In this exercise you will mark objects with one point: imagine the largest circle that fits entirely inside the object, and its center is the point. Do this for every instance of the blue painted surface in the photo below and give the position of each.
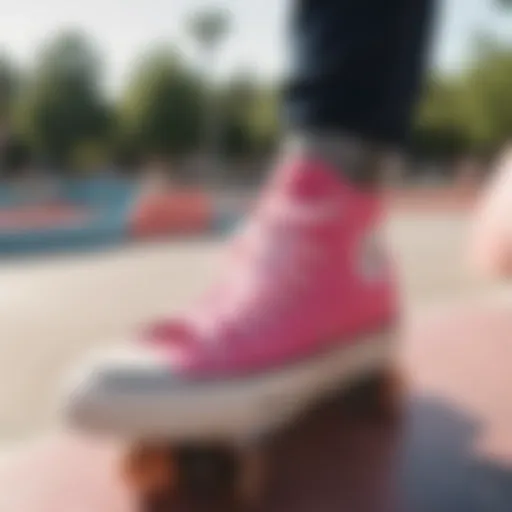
(96, 233)
(109, 193)
(108, 201)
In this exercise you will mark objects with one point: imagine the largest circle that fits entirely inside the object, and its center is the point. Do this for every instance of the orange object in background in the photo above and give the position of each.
(171, 211)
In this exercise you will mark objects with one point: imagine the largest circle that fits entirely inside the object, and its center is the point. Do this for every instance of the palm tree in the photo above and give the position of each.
(209, 28)
(8, 88)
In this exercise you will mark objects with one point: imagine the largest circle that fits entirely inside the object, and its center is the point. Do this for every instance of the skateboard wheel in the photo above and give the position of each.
(196, 473)
(207, 472)
(150, 470)
(219, 474)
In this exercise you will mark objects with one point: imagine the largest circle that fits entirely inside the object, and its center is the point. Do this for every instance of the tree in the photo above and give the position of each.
(208, 28)
(62, 105)
(486, 97)
(9, 83)
(439, 129)
(160, 110)
(471, 111)
(250, 116)
(237, 102)
(264, 125)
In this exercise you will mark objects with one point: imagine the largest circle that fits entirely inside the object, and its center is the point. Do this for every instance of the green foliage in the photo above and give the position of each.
(439, 127)
(237, 101)
(487, 96)
(9, 81)
(250, 116)
(60, 110)
(88, 155)
(161, 108)
(470, 112)
(62, 103)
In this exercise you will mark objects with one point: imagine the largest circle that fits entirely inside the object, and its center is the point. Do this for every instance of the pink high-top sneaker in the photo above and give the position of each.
(307, 304)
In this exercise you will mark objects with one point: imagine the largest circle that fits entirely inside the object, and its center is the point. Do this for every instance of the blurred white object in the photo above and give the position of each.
(491, 236)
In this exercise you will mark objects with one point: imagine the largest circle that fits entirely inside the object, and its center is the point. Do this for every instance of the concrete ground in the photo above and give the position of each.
(55, 309)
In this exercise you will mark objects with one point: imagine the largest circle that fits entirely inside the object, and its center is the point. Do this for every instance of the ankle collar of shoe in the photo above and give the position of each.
(357, 159)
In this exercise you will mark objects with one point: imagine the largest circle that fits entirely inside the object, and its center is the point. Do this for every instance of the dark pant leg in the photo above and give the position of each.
(356, 66)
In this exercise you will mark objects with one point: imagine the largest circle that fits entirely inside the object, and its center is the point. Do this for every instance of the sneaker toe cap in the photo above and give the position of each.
(116, 387)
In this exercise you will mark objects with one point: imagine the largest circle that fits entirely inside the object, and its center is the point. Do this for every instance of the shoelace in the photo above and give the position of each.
(262, 284)
(272, 264)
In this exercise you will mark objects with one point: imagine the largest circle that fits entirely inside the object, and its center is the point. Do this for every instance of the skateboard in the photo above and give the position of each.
(235, 474)
(68, 471)
(181, 447)
(450, 451)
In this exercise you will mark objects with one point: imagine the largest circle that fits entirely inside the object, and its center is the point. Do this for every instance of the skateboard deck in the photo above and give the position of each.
(451, 451)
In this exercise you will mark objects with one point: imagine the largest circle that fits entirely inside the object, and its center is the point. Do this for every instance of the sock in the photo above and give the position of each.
(358, 160)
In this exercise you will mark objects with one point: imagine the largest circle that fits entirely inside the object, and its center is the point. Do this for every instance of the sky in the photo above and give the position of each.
(123, 29)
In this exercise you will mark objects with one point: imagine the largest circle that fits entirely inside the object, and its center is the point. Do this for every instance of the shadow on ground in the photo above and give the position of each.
(332, 461)
(424, 463)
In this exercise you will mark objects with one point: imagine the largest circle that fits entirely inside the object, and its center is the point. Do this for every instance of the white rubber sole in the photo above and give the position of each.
(235, 409)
